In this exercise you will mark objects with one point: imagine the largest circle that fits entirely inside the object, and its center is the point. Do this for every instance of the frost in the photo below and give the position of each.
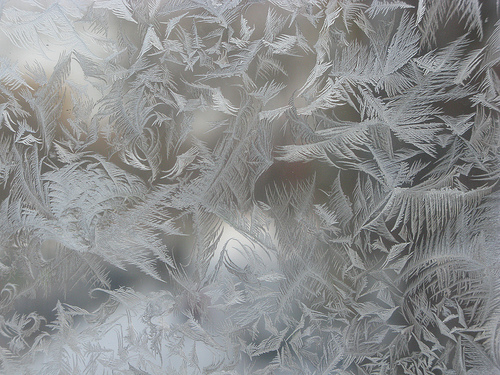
(249, 187)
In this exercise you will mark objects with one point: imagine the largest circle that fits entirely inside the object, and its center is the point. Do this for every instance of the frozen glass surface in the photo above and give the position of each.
(249, 187)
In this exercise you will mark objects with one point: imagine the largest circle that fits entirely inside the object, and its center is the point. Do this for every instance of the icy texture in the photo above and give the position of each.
(249, 187)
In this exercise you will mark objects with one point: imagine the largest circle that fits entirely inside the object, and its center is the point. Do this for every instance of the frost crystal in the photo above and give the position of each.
(249, 187)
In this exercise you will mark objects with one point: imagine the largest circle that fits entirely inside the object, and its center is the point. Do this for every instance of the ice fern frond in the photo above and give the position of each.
(249, 187)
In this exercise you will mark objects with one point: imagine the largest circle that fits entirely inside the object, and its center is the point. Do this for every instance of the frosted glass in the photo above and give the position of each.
(249, 187)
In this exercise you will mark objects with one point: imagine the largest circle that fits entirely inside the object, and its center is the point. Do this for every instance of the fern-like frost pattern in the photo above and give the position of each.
(250, 187)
